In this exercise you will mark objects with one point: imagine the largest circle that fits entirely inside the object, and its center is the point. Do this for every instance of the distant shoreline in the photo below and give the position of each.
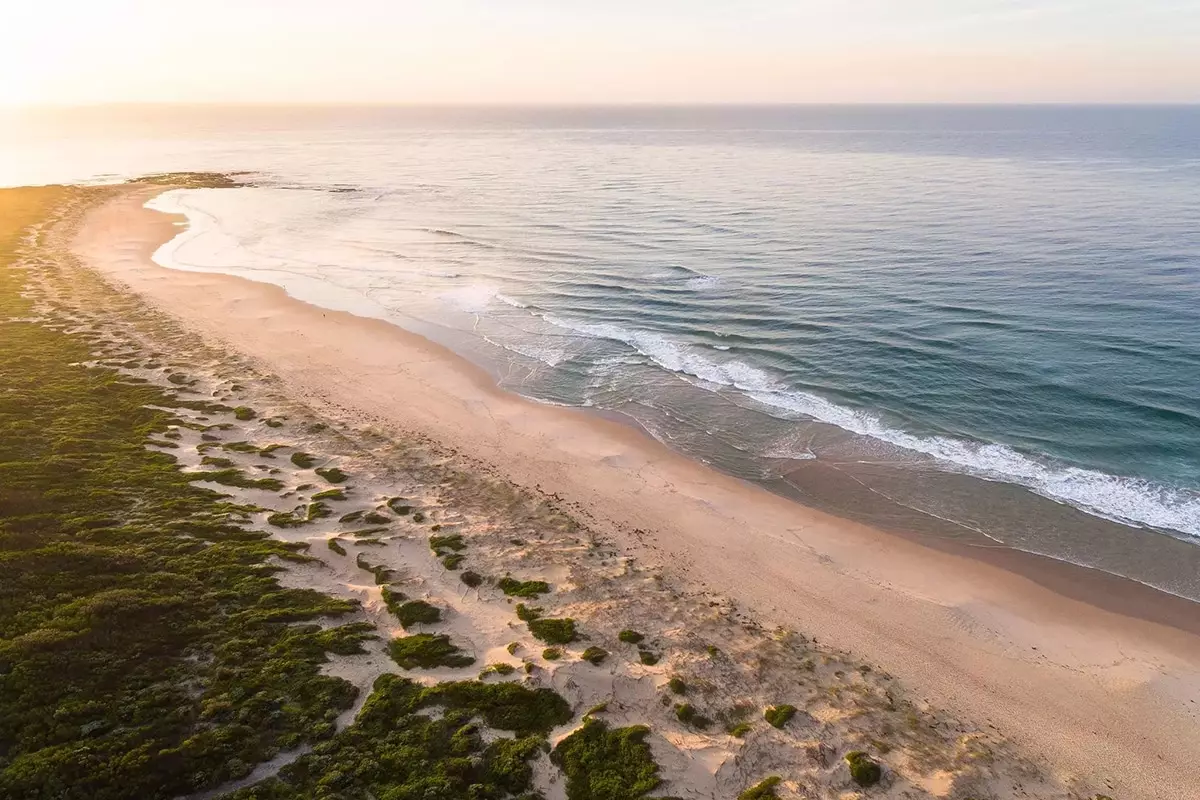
(1068, 663)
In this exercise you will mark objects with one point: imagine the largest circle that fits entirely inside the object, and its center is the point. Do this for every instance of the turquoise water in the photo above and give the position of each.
(916, 297)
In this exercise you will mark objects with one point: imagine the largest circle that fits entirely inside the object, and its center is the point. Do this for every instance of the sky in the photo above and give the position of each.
(68, 52)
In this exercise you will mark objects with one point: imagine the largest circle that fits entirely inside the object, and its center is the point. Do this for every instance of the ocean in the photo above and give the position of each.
(979, 323)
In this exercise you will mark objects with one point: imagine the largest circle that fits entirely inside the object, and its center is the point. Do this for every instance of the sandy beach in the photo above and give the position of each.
(1094, 678)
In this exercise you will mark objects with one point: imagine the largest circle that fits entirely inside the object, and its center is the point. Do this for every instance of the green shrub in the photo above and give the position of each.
(472, 579)
(453, 561)
(607, 764)
(353, 516)
(738, 729)
(398, 505)
(864, 770)
(552, 653)
(530, 590)
(595, 655)
(217, 461)
(235, 477)
(778, 716)
(330, 494)
(273, 422)
(513, 647)
(630, 637)
(677, 686)
(648, 658)
(500, 668)
(244, 413)
(452, 542)
(554, 631)
(332, 474)
(336, 546)
(417, 612)
(375, 518)
(599, 708)
(392, 599)
(427, 651)
(688, 715)
(763, 790)
(528, 613)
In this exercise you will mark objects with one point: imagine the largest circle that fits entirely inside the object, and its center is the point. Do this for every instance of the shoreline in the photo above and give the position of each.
(1028, 639)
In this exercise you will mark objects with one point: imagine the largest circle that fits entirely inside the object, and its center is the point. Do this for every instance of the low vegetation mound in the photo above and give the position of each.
(778, 716)
(607, 764)
(554, 631)
(529, 590)
(864, 770)
(427, 651)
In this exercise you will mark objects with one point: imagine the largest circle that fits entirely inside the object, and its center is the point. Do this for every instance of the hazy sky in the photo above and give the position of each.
(531, 51)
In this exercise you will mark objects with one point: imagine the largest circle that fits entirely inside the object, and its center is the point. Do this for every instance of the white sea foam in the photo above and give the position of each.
(1129, 500)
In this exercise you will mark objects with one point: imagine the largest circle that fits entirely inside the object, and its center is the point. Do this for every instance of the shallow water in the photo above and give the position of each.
(984, 317)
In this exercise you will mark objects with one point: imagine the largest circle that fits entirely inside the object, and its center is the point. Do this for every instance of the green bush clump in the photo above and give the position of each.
(398, 505)
(392, 599)
(427, 651)
(595, 655)
(452, 542)
(630, 637)
(500, 668)
(472, 579)
(864, 770)
(336, 546)
(453, 561)
(552, 653)
(330, 494)
(778, 716)
(417, 612)
(273, 422)
(303, 460)
(554, 631)
(235, 477)
(217, 461)
(677, 686)
(528, 613)
(763, 790)
(382, 574)
(607, 764)
(240, 447)
(530, 590)
(738, 729)
(332, 474)
(648, 658)
(244, 413)
(375, 518)
(688, 715)
(353, 516)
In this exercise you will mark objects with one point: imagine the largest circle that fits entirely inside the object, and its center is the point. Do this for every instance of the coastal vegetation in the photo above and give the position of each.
(529, 590)
(778, 716)
(763, 790)
(394, 751)
(864, 770)
(554, 631)
(427, 651)
(146, 648)
(607, 764)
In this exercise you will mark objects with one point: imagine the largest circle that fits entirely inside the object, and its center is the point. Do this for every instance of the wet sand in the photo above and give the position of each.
(1099, 676)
